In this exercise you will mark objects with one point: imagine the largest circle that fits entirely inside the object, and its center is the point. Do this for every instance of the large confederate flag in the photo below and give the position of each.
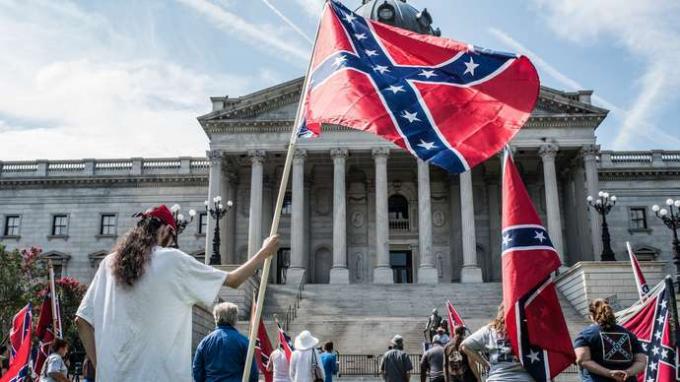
(533, 316)
(446, 102)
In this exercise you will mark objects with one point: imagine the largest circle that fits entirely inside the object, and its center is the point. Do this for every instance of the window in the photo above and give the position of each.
(59, 225)
(637, 218)
(287, 207)
(398, 213)
(202, 223)
(12, 223)
(108, 225)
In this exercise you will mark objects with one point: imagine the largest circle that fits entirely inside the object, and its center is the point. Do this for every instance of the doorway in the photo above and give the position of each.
(401, 263)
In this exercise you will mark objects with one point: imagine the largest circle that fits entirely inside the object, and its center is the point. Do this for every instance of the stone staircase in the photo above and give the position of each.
(361, 318)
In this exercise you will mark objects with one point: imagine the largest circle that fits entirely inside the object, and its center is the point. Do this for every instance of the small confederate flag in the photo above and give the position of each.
(285, 342)
(453, 317)
(45, 332)
(655, 323)
(533, 315)
(640, 281)
(263, 348)
(20, 347)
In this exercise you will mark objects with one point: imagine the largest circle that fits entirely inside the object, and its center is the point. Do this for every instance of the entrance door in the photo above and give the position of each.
(282, 264)
(402, 266)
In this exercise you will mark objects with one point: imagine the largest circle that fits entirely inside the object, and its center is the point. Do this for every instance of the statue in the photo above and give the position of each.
(433, 322)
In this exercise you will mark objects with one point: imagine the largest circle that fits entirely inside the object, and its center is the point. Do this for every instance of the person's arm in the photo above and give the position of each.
(239, 275)
(638, 365)
(474, 355)
(59, 377)
(86, 334)
(335, 365)
(583, 360)
(424, 366)
(270, 363)
(198, 367)
(293, 366)
(446, 364)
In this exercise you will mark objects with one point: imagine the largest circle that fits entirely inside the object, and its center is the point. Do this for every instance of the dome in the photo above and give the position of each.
(400, 14)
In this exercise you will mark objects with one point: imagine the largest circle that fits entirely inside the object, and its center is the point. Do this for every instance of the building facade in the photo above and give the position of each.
(357, 210)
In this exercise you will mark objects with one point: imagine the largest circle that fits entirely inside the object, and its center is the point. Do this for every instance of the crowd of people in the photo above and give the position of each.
(135, 325)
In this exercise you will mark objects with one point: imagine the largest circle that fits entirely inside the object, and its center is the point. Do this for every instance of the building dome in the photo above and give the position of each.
(399, 14)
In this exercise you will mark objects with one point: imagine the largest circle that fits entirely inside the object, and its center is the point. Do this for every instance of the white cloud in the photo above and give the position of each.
(72, 88)
(288, 22)
(251, 33)
(312, 8)
(649, 30)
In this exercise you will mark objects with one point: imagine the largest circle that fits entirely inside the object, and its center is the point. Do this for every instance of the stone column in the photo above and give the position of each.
(427, 273)
(589, 154)
(552, 197)
(471, 272)
(296, 272)
(339, 272)
(382, 274)
(255, 213)
(229, 237)
(215, 183)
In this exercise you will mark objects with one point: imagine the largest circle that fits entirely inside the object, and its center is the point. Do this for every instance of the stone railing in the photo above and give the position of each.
(104, 167)
(653, 158)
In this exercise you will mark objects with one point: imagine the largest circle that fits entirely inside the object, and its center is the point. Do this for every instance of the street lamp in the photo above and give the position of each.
(181, 221)
(671, 218)
(603, 204)
(217, 212)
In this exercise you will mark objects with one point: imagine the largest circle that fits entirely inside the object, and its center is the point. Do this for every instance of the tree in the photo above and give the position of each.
(22, 277)
(70, 292)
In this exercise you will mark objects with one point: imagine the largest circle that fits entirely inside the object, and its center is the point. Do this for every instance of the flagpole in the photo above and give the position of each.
(277, 213)
(53, 300)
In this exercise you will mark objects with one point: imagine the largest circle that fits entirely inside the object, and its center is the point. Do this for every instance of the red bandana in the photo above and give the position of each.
(163, 213)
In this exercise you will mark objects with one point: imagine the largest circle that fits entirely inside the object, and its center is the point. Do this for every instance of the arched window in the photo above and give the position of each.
(397, 206)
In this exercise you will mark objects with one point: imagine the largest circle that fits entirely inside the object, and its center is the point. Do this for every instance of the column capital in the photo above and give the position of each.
(548, 151)
(299, 155)
(256, 156)
(339, 152)
(214, 156)
(589, 152)
(380, 152)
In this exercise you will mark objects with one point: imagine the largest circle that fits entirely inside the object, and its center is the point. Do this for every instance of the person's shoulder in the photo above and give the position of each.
(591, 329)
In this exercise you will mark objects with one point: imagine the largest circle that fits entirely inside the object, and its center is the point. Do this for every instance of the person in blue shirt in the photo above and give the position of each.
(606, 351)
(221, 355)
(329, 361)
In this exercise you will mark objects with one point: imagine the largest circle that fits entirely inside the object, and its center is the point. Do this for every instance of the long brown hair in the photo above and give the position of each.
(133, 251)
(602, 313)
(498, 323)
(458, 336)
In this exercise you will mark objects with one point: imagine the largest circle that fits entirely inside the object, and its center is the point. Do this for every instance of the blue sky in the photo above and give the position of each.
(92, 79)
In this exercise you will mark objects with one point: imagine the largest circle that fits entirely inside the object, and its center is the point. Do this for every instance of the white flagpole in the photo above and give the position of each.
(53, 300)
(277, 215)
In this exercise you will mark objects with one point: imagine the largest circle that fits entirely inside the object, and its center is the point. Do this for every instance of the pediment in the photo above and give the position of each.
(279, 103)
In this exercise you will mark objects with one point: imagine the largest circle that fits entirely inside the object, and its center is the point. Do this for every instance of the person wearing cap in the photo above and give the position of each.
(305, 364)
(135, 319)
(395, 363)
(432, 362)
(441, 336)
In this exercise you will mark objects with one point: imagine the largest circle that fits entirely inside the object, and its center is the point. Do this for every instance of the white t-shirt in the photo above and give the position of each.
(280, 365)
(143, 333)
(53, 364)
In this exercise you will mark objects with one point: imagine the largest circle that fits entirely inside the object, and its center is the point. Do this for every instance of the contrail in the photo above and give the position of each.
(288, 21)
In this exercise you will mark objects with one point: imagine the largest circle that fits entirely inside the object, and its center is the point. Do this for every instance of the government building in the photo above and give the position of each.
(358, 210)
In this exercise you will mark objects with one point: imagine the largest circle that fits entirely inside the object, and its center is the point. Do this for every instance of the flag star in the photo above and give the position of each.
(644, 346)
(664, 353)
(350, 17)
(360, 36)
(339, 61)
(663, 304)
(470, 67)
(652, 365)
(540, 236)
(427, 145)
(427, 73)
(381, 69)
(411, 116)
(396, 89)
(660, 320)
(655, 350)
(657, 335)
(370, 52)
(650, 379)
(533, 356)
(506, 239)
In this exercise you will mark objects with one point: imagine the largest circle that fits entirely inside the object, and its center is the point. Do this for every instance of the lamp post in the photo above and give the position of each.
(671, 218)
(217, 212)
(603, 204)
(181, 221)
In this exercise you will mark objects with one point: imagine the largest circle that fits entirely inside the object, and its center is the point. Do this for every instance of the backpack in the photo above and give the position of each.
(457, 364)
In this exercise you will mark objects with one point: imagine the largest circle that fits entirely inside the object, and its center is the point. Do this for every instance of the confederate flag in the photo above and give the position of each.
(20, 346)
(263, 348)
(655, 323)
(533, 316)
(453, 317)
(640, 281)
(45, 332)
(446, 102)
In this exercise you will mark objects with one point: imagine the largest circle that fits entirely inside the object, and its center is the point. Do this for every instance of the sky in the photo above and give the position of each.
(127, 78)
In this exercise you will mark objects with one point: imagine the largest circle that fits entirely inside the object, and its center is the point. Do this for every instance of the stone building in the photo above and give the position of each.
(358, 210)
